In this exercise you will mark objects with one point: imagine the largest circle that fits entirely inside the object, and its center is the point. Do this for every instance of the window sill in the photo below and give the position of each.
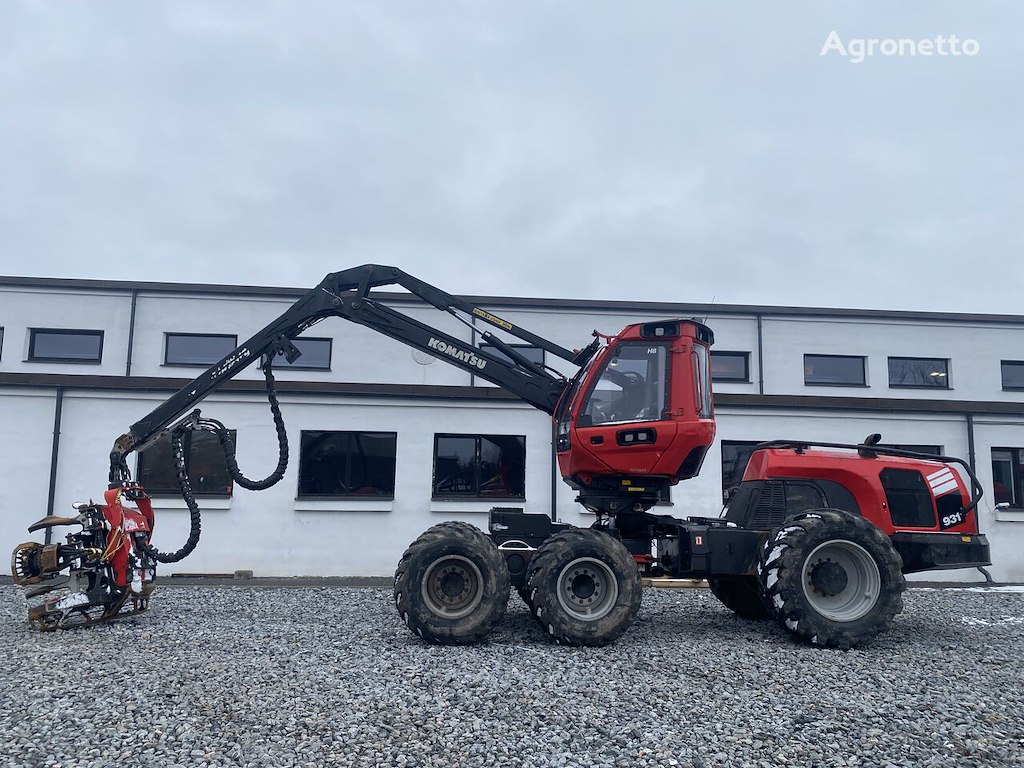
(473, 504)
(346, 504)
(171, 502)
(921, 386)
(1015, 515)
(62, 360)
(836, 384)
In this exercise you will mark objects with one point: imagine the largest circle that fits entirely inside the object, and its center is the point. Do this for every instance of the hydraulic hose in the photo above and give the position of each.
(282, 443)
(228, 445)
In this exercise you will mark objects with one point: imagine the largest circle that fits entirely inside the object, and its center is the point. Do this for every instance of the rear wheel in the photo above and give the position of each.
(451, 585)
(742, 595)
(584, 587)
(832, 578)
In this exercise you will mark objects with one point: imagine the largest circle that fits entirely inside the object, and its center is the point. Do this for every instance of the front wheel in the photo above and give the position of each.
(832, 578)
(451, 585)
(584, 587)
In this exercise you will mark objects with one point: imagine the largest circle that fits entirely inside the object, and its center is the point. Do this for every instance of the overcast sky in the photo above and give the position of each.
(680, 151)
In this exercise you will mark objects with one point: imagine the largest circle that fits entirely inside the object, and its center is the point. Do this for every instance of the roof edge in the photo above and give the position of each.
(514, 302)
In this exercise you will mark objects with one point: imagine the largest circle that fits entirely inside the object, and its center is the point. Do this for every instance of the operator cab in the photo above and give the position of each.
(639, 417)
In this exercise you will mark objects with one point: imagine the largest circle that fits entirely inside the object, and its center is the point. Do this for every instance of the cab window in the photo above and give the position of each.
(632, 386)
(910, 502)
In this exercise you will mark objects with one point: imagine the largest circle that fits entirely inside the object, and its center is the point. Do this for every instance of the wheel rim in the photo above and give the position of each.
(587, 589)
(841, 580)
(453, 586)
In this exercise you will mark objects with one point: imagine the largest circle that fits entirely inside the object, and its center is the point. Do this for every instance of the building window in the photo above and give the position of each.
(529, 351)
(730, 366)
(52, 345)
(933, 450)
(475, 466)
(197, 348)
(347, 464)
(1013, 374)
(1008, 476)
(157, 471)
(835, 370)
(735, 455)
(316, 356)
(926, 372)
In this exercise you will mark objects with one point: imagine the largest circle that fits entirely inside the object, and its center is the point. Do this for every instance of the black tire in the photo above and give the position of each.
(451, 585)
(831, 578)
(742, 595)
(584, 587)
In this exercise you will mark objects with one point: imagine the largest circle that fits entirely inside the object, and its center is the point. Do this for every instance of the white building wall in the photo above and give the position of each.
(974, 351)
(27, 416)
(358, 354)
(1005, 528)
(25, 308)
(273, 533)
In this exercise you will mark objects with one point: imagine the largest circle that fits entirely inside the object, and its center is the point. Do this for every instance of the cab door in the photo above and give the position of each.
(624, 422)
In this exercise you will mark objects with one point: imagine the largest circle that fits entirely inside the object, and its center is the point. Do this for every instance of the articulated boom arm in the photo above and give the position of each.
(346, 294)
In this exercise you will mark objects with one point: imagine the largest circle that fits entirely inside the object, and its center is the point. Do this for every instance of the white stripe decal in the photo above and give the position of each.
(940, 472)
(951, 485)
(940, 480)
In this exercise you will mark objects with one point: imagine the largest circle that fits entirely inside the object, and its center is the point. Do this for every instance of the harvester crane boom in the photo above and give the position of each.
(346, 294)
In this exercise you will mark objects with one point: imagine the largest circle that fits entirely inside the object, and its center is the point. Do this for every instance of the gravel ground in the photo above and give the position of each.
(329, 677)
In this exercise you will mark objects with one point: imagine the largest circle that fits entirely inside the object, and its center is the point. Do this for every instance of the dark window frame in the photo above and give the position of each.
(1002, 372)
(737, 473)
(474, 493)
(486, 347)
(945, 379)
(1016, 489)
(352, 495)
(863, 371)
(934, 450)
(173, 489)
(745, 356)
(167, 342)
(1, 342)
(34, 358)
(279, 362)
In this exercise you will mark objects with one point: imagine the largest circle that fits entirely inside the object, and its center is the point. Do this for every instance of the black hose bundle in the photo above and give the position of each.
(228, 445)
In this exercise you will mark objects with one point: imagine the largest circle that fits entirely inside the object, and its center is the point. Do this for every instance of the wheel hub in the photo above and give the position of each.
(584, 587)
(829, 578)
(841, 580)
(452, 586)
(587, 589)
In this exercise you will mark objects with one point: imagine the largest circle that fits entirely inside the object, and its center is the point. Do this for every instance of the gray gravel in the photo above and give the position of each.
(328, 676)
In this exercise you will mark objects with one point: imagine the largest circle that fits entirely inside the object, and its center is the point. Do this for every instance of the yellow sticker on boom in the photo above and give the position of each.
(492, 319)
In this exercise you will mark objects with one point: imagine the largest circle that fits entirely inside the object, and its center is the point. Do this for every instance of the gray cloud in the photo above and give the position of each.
(666, 151)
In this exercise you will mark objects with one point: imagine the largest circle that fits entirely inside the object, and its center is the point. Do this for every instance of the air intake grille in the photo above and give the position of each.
(770, 507)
